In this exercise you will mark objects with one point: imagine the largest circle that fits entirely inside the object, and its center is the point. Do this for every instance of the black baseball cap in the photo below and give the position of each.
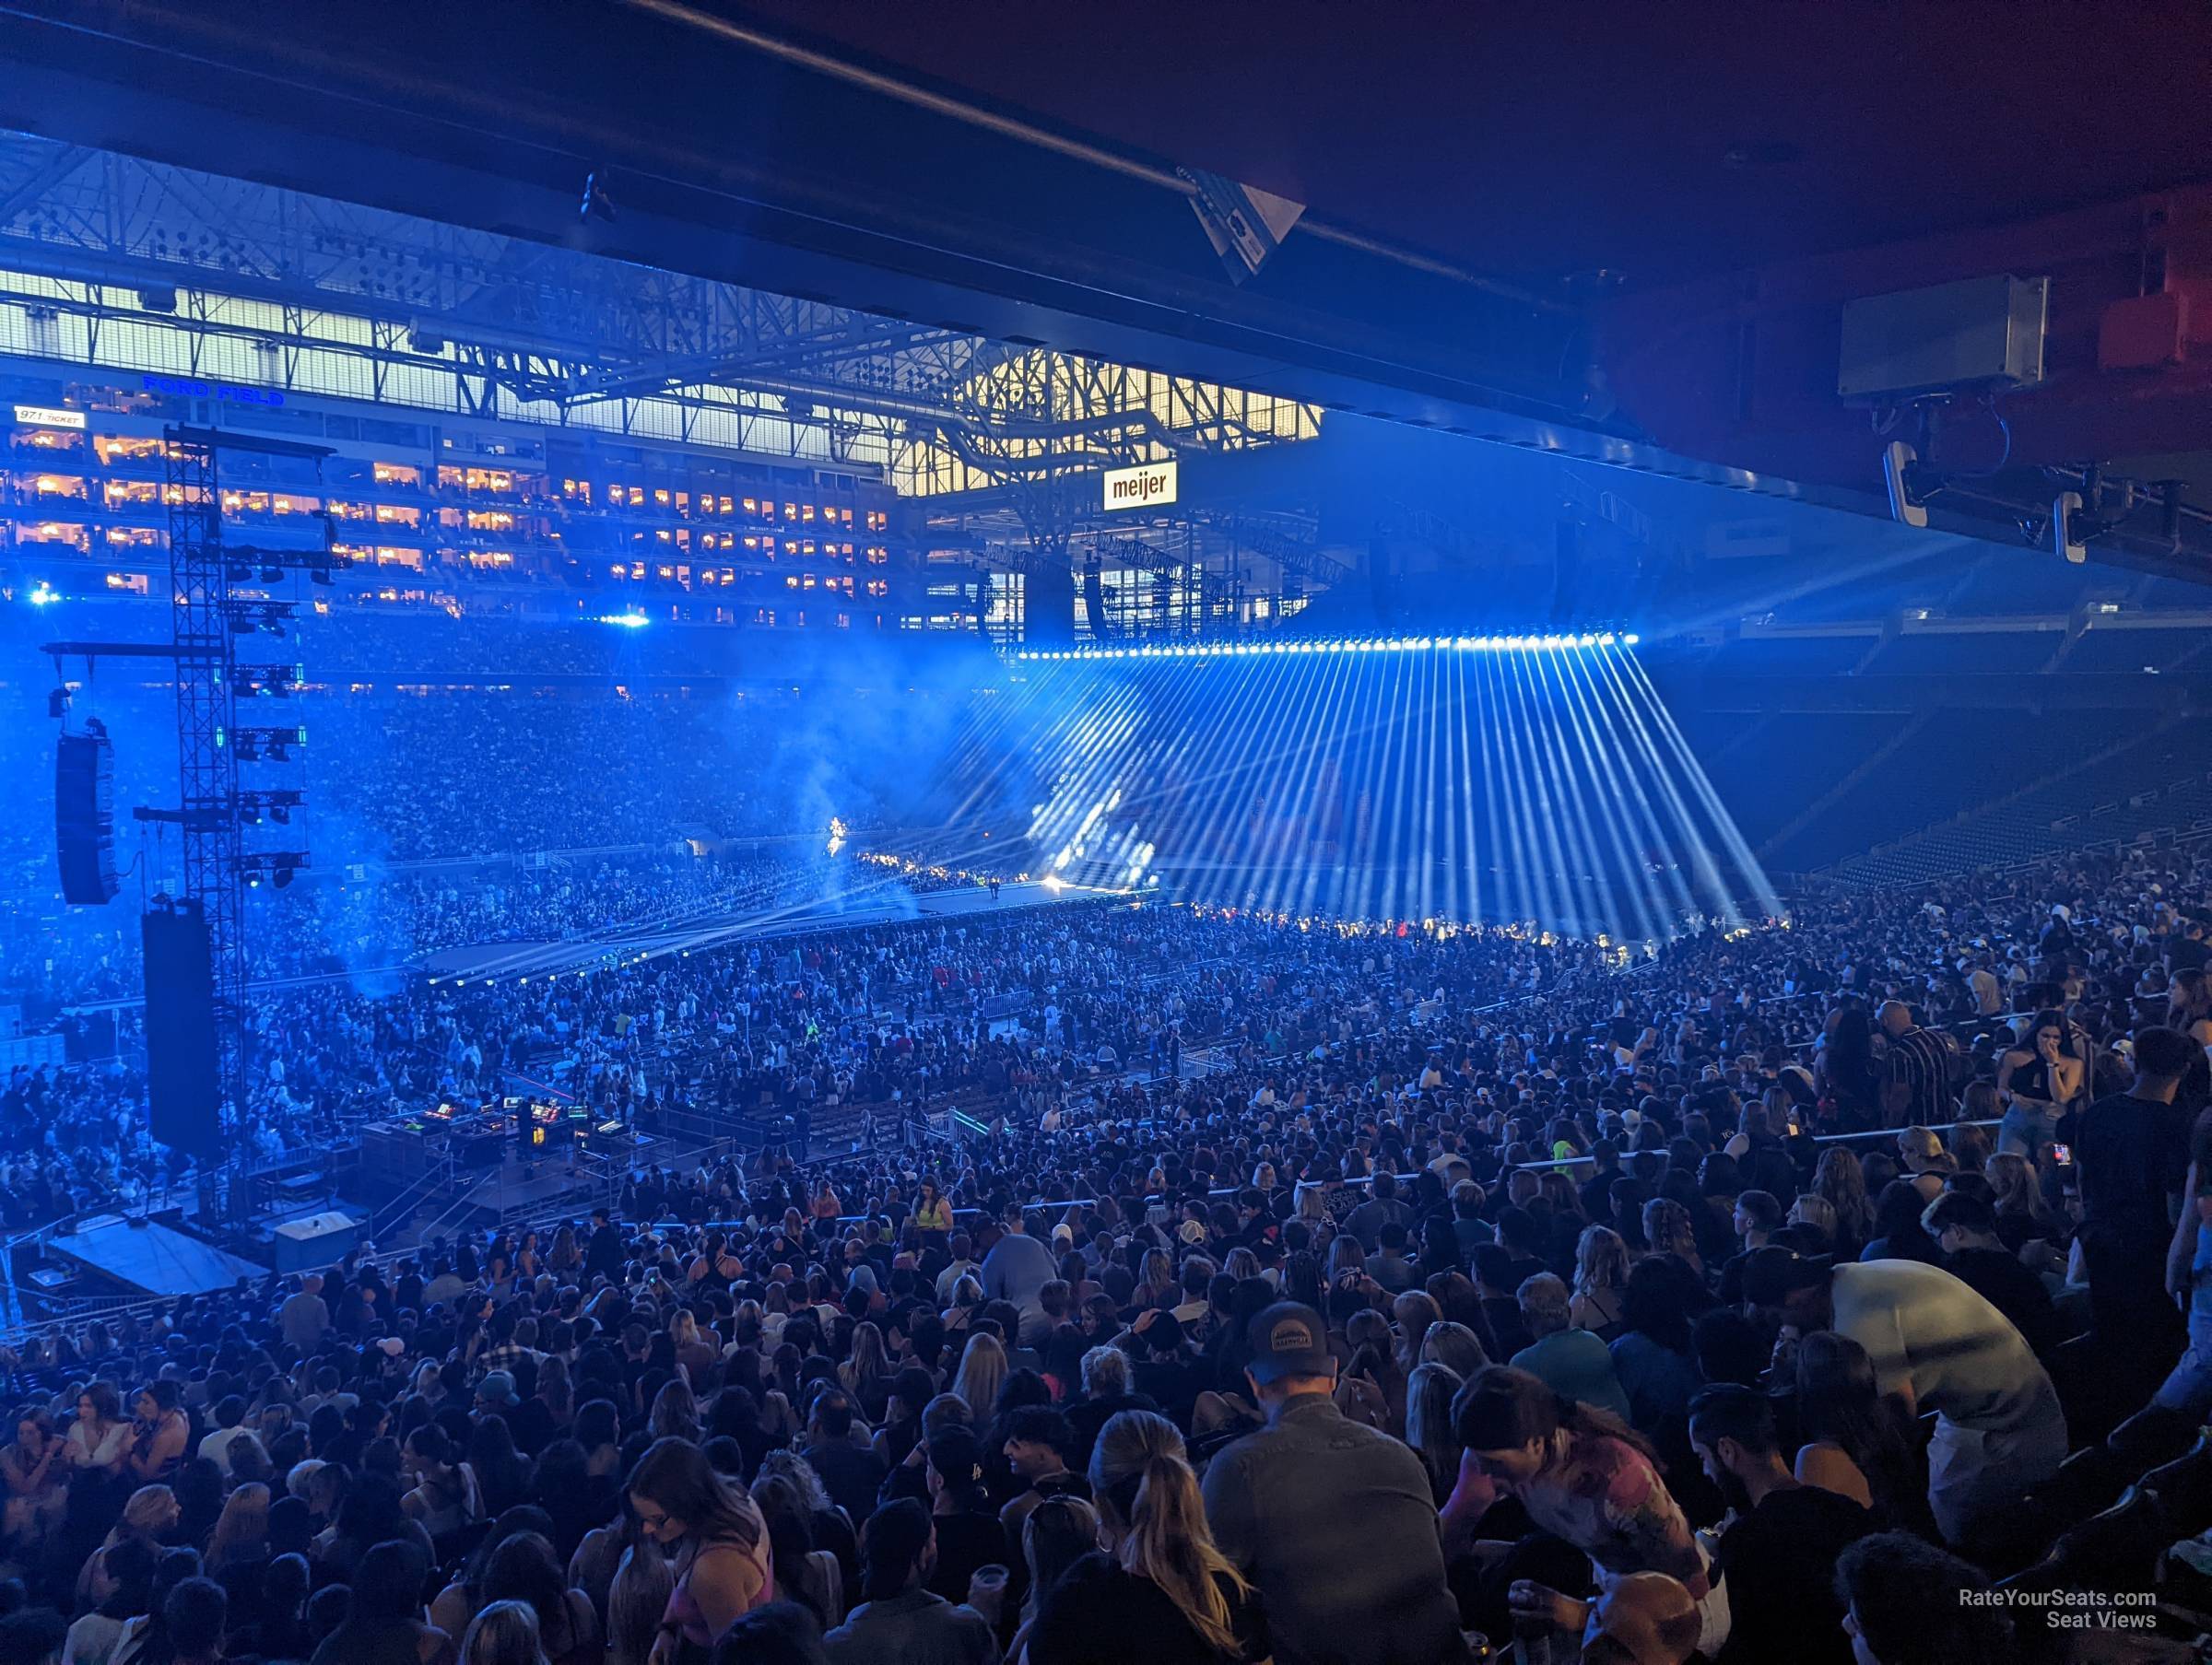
(1772, 1273)
(1290, 1339)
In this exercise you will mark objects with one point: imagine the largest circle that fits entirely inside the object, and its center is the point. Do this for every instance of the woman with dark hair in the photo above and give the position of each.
(446, 1498)
(575, 1499)
(735, 1414)
(723, 1567)
(464, 1596)
(1439, 1246)
(1859, 1442)
(130, 1569)
(1899, 1235)
(1628, 1194)
(812, 1580)
(599, 1432)
(278, 1629)
(35, 1468)
(146, 1641)
(1652, 1355)
(158, 1445)
(1839, 1180)
(932, 1214)
(1848, 1089)
(523, 1569)
(504, 1473)
(382, 1623)
(969, 1534)
(1583, 1476)
(372, 1512)
(198, 1486)
(2039, 1079)
(911, 1388)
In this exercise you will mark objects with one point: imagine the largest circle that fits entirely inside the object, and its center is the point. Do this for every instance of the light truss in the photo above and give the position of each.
(1365, 644)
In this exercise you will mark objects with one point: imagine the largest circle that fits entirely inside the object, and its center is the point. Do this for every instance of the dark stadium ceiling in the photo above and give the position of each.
(1489, 189)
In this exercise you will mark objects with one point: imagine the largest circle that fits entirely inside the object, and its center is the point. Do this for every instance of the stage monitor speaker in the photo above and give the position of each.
(84, 817)
(183, 1080)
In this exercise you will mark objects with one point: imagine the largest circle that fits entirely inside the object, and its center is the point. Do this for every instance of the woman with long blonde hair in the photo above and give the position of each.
(1667, 1228)
(555, 1389)
(1601, 1277)
(675, 1413)
(1428, 1427)
(1156, 1280)
(504, 1633)
(2023, 1215)
(242, 1531)
(1455, 1346)
(982, 1374)
(867, 1376)
(1161, 1588)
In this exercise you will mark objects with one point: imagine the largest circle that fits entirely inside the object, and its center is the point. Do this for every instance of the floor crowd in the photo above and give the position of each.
(1287, 1292)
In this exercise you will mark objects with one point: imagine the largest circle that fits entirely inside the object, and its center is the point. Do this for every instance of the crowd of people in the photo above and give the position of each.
(1313, 1295)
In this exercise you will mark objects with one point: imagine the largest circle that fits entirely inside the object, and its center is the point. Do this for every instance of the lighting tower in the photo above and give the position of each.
(206, 572)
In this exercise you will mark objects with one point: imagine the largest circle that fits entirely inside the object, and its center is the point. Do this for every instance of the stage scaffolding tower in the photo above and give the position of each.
(208, 570)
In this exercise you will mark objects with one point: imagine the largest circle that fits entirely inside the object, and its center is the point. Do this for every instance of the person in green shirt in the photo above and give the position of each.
(1572, 1363)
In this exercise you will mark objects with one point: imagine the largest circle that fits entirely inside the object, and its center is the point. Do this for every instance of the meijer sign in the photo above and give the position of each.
(1144, 487)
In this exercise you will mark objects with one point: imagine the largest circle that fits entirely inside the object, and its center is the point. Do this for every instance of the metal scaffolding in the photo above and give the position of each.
(113, 261)
(206, 703)
(205, 571)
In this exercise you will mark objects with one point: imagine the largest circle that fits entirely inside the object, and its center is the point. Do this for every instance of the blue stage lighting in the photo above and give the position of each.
(1546, 642)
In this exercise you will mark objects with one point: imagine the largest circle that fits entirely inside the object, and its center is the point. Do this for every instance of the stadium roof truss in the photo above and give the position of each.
(113, 261)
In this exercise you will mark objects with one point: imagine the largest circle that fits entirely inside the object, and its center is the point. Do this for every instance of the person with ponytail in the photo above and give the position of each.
(1160, 1590)
(1584, 1476)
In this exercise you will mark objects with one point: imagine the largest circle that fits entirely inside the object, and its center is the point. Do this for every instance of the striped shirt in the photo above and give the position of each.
(1919, 1061)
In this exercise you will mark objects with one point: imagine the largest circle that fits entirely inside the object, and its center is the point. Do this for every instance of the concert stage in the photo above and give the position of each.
(151, 1259)
(873, 904)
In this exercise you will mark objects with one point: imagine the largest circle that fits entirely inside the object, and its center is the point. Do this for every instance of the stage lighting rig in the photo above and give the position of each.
(276, 867)
(264, 682)
(255, 807)
(264, 744)
(245, 618)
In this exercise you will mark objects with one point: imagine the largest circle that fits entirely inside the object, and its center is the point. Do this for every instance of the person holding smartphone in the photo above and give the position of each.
(2040, 1080)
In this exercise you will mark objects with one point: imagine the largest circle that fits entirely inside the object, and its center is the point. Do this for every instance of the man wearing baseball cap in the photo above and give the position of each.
(1332, 1520)
(1998, 1426)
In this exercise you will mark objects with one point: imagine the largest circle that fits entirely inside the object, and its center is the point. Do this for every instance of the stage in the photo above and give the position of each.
(875, 902)
(152, 1260)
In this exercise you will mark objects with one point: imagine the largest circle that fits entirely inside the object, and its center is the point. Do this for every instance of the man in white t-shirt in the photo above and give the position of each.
(230, 1419)
(1999, 1429)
